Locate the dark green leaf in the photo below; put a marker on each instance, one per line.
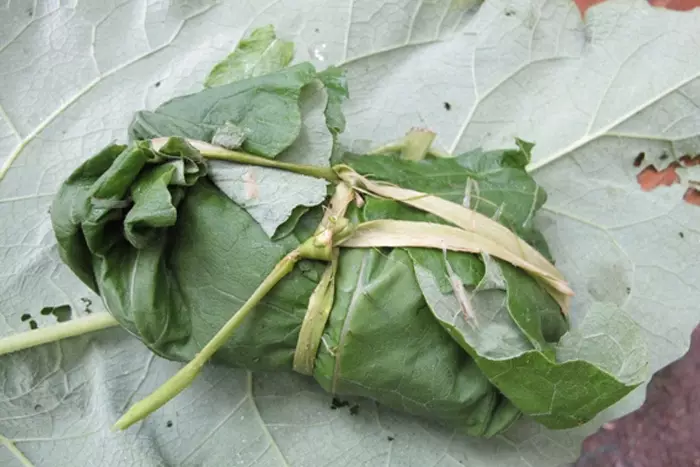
(173, 257)
(267, 107)
(493, 183)
(561, 385)
(288, 226)
(382, 342)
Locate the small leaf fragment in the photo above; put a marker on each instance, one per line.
(258, 54)
(229, 136)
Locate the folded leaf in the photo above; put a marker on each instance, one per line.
(267, 107)
(271, 195)
(560, 385)
(289, 115)
(382, 342)
(493, 183)
(175, 293)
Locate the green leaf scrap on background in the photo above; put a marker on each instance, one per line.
(538, 72)
(258, 54)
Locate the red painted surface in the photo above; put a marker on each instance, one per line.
(650, 178)
(692, 196)
(665, 431)
(680, 5)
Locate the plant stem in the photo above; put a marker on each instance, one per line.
(211, 151)
(72, 328)
(15, 451)
(189, 372)
(243, 158)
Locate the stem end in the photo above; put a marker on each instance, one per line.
(174, 386)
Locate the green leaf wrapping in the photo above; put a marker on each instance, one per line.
(493, 183)
(293, 115)
(559, 385)
(382, 342)
(173, 258)
(175, 291)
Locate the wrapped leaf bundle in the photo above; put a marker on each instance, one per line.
(407, 276)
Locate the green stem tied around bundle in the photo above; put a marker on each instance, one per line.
(318, 247)
(473, 233)
(489, 235)
(466, 231)
(214, 152)
(322, 298)
(186, 375)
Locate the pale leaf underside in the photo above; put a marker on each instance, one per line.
(591, 96)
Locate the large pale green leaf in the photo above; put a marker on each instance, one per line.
(591, 95)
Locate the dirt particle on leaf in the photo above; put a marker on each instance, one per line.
(38, 407)
(681, 234)
(61, 313)
(355, 409)
(337, 403)
(317, 30)
(509, 12)
(639, 159)
(169, 423)
(157, 84)
(390, 438)
(629, 289)
(663, 156)
(447, 105)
